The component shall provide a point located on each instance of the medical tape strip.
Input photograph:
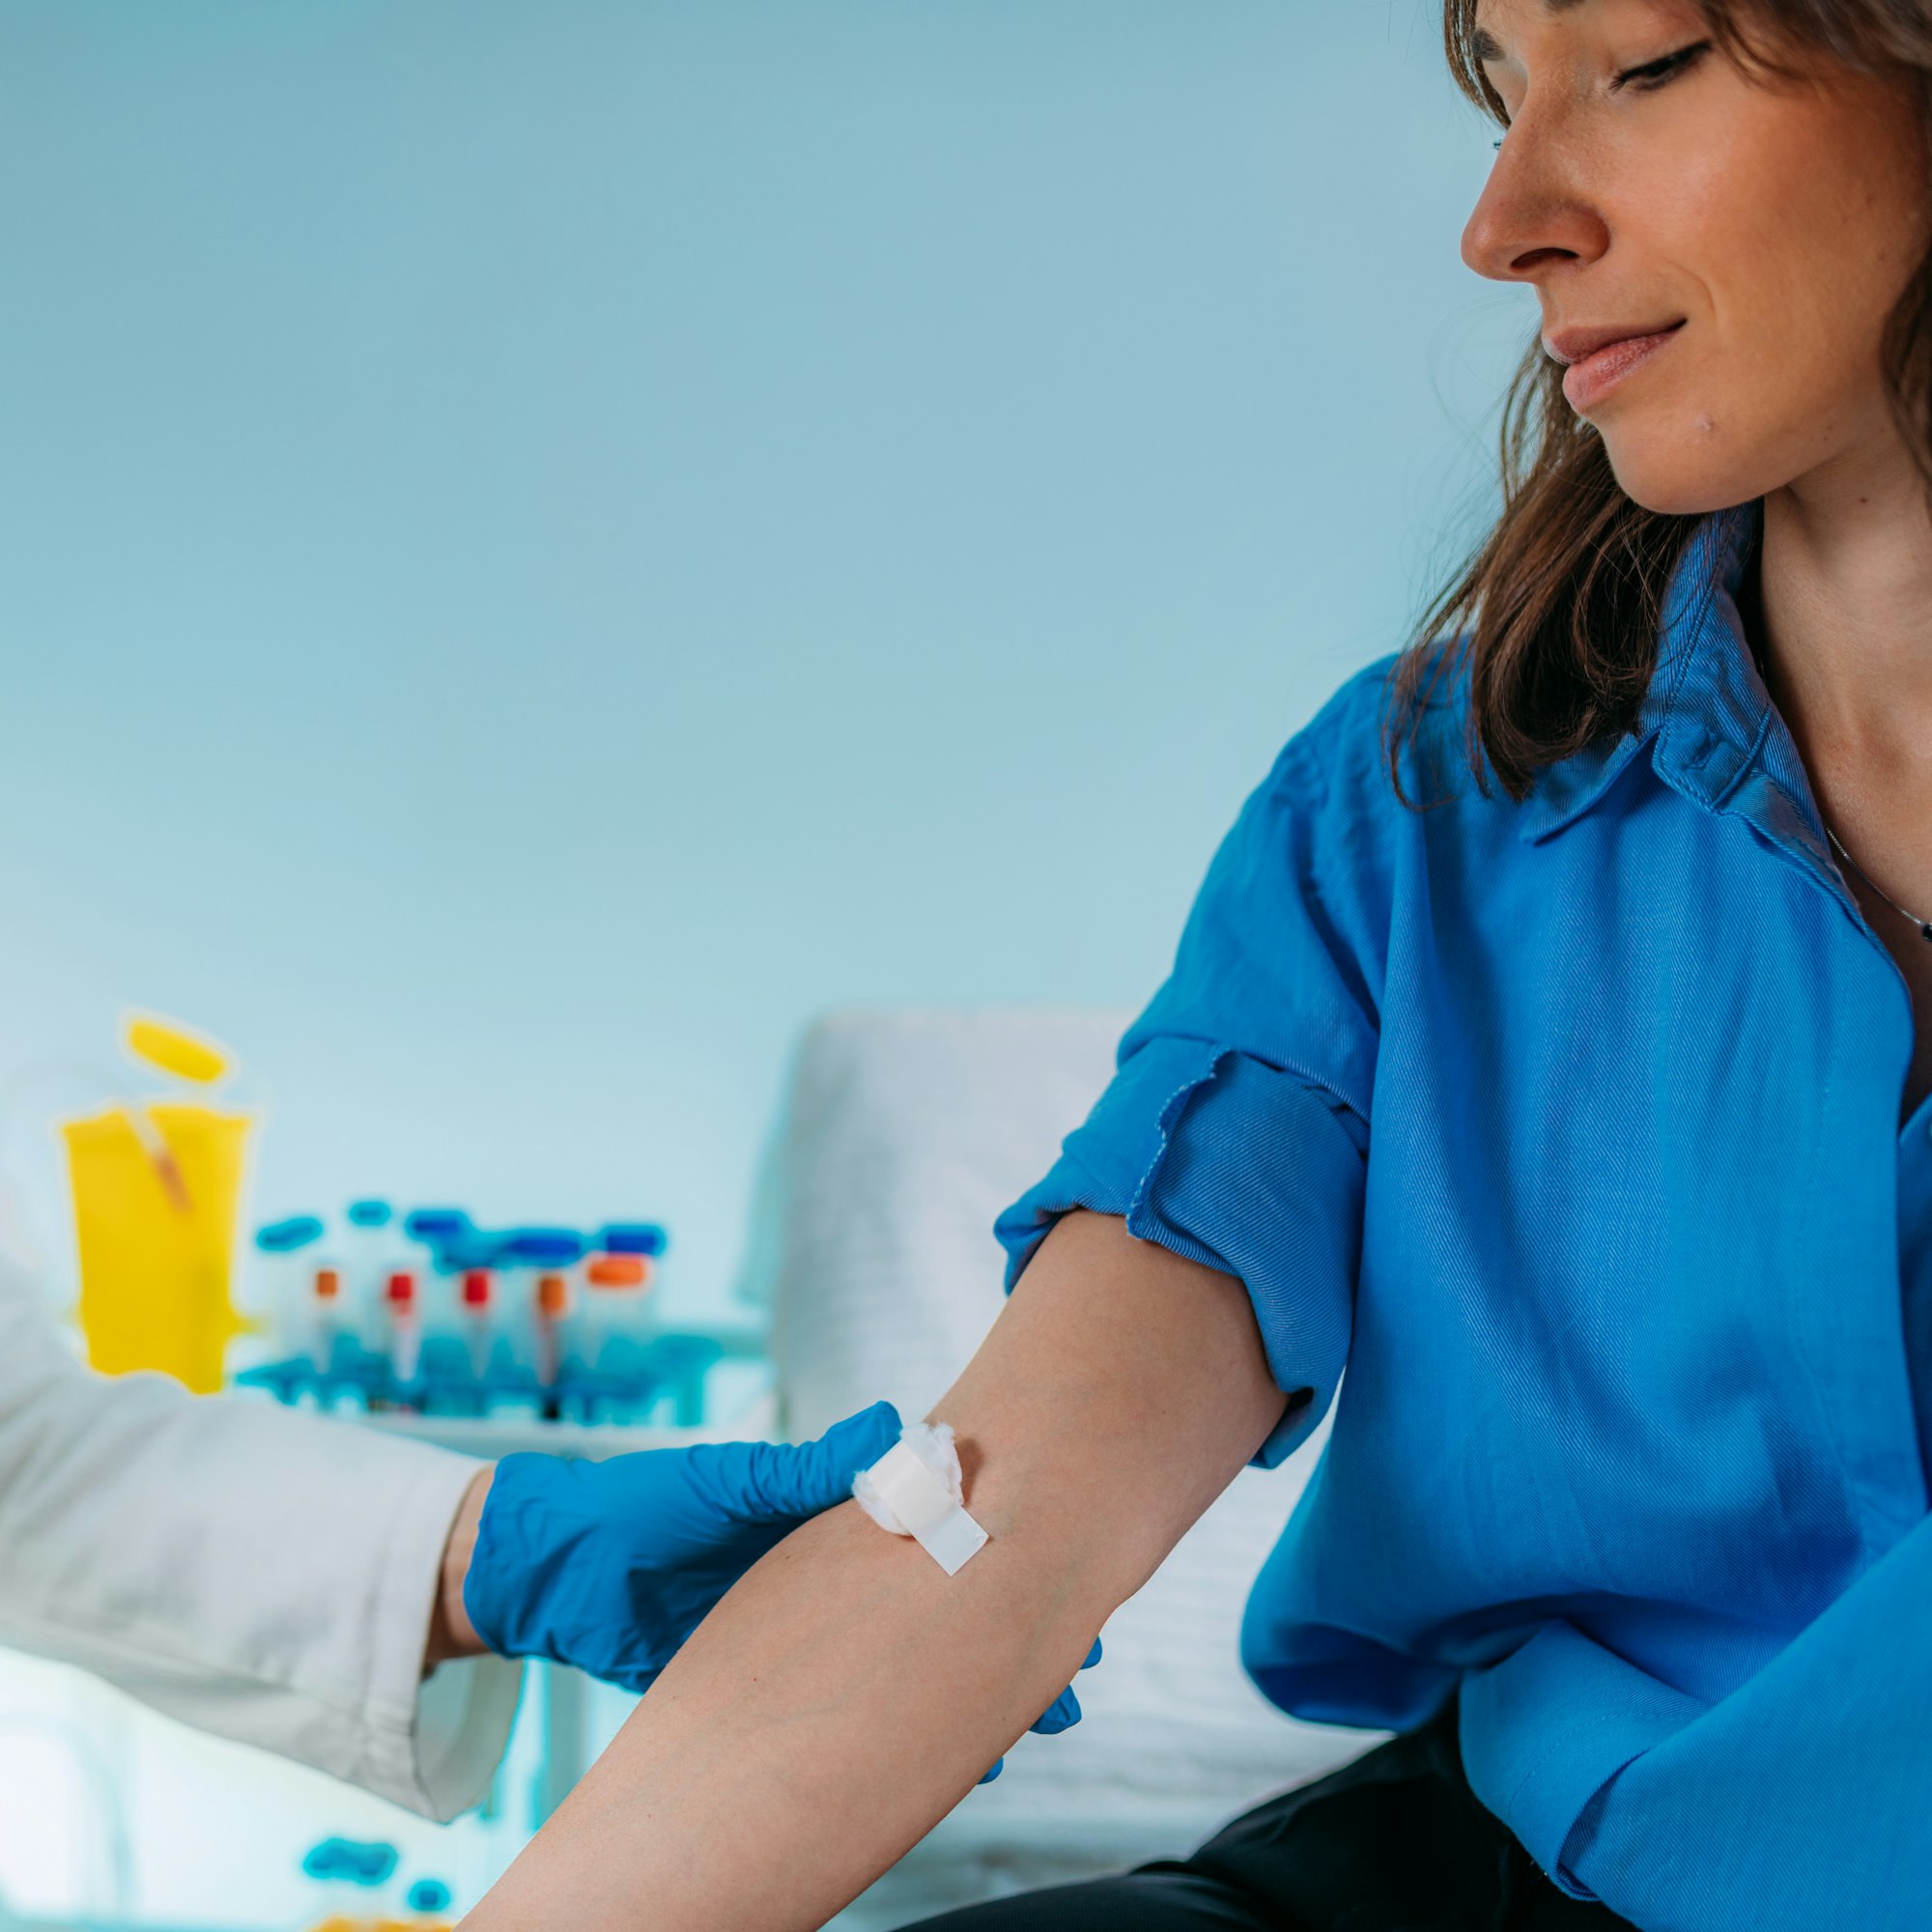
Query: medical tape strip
(914, 1490)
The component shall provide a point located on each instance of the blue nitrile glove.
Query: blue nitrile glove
(611, 1565)
(1062, 1715)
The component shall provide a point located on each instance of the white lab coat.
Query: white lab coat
(255, 1571)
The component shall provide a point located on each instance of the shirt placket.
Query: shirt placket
(1786, 814)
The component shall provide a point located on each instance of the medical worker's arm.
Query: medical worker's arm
(263, 1574)
(308, 1586)
(847, 1694)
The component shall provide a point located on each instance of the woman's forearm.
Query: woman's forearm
(847, 1694)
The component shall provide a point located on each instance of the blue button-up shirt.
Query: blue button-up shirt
(1570, 1130)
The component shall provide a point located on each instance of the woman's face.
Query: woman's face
(1746, 237)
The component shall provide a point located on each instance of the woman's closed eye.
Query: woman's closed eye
(1653, 74)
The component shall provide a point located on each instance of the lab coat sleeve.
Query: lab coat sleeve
(257, 1573)
(1809, 1788)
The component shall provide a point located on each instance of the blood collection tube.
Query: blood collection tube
(405, 1312)
(370, 1250)
(552, 1309)
(286, 1251)
(617, 1286)
(324, 1319)
(521, 1257)
(475, 1303)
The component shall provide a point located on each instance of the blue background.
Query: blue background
(541, 545)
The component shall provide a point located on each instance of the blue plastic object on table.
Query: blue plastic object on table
(350, 1862)
(287, 1238)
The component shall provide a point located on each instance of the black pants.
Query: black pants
(1394, 1842)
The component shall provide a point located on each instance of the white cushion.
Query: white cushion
(903, 1134)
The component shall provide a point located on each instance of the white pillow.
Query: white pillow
(903, 1134)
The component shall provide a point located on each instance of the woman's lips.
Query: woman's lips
(1590, 378)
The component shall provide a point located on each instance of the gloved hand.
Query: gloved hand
(1062, 1715)
(610, 1566)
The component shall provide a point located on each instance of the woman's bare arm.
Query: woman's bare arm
(847, 1694)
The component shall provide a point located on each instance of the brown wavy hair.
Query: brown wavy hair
(1555, 615)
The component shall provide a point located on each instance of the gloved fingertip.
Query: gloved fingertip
(874, 1431)
(1093, 1656)
(855, 1445)
(999, 1765)
(820, 1473)
(1062, 1715)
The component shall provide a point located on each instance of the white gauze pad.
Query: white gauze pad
(914, 1490)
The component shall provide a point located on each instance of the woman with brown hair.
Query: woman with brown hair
(1540, 1049)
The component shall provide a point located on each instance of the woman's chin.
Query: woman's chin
(1681, 473)
(1676, 480)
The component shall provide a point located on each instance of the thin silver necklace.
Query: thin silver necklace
(1924, 925)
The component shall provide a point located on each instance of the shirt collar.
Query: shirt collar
(1705, 715)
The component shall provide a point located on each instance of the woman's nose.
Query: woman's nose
(1531, 214)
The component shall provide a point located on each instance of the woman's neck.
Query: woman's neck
(1842, 611)
(1844, 597)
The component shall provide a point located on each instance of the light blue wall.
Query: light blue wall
(542, 542)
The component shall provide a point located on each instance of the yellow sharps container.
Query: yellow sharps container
(156, 1208)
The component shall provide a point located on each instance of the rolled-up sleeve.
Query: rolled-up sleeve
(1236, 1128)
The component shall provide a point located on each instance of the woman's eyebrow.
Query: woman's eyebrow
(1485, 46)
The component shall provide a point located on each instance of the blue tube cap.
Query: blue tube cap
(284, 1237)
(429, 1895)
(541, 1247)
(370, 1214)
(473, 1248)
(632, 1238)
(436, 1224)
